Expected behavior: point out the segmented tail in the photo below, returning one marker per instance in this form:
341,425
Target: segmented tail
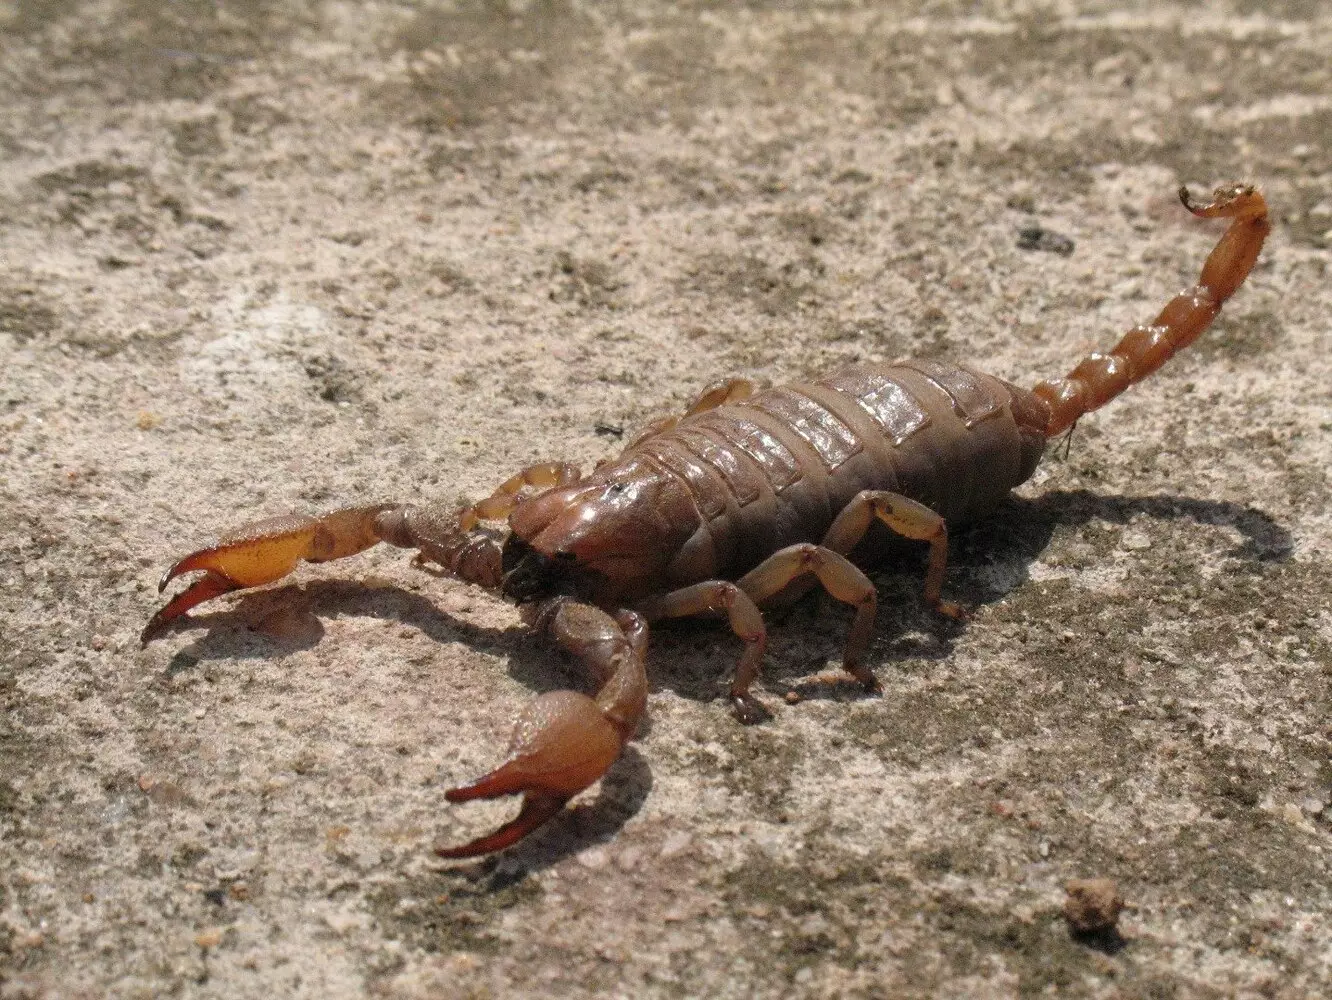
1099,378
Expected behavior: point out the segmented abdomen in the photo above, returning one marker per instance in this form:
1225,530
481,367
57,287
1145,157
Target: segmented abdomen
778,467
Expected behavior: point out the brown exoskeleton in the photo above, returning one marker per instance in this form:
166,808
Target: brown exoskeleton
722,509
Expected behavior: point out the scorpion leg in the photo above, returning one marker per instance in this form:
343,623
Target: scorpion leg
746,622
564,741
496,507
839,578
907,518
726,390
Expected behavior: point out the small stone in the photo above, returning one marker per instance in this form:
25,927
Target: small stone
793,697
1093,905
210,938
594,858
98,642
1047,240
628,859
29,940
1136,540
676,844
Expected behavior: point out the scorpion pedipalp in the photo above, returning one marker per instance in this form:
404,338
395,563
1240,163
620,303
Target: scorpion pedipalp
564,741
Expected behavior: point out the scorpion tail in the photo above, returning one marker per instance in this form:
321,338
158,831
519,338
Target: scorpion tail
1101,377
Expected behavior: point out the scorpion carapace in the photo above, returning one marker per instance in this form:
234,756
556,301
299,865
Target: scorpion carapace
722,509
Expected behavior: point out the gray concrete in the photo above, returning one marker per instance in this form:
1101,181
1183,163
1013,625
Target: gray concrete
258,257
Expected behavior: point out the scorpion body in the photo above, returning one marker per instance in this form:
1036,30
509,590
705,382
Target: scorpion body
776,468
723,509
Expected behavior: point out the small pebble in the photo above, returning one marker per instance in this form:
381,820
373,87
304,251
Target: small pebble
676,843
1136,540
628,859
210,938
1046,240
594,858
1093,904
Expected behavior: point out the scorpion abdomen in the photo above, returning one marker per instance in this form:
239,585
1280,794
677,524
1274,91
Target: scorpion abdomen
776,468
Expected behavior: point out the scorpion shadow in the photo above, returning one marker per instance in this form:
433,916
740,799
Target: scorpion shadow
988,560
694,661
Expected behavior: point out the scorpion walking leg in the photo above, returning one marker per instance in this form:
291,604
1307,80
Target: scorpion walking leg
497,506
746,622
726,390
910,520
564,741
840,578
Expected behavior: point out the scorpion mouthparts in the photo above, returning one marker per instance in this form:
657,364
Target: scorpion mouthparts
530,574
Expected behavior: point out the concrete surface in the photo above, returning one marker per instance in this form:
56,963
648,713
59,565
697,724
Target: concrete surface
259,256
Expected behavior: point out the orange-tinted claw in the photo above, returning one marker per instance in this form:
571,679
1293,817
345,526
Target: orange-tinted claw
263,551
561,745
254,554
201,590
537,809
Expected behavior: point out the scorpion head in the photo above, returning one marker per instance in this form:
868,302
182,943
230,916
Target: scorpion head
606,536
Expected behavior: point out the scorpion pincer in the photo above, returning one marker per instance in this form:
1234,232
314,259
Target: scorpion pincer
721,509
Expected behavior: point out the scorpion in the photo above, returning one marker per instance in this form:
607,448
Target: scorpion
747,495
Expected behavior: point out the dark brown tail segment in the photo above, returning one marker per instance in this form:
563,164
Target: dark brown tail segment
1145,348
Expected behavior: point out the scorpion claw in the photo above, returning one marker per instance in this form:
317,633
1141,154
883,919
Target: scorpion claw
537,809
561,745
205,588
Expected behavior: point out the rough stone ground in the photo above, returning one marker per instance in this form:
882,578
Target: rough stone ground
261,256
